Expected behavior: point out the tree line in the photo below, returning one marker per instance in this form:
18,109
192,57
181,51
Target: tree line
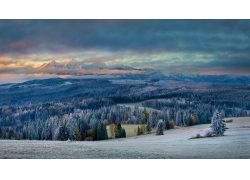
76,121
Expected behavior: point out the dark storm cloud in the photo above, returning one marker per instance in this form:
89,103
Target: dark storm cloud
113,35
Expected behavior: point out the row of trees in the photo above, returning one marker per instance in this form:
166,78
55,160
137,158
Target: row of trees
60,121
71,127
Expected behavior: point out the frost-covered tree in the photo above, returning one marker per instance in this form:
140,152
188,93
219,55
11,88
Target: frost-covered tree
159,127
61,135
218,126
149,126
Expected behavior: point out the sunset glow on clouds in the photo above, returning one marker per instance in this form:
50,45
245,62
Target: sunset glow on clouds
170,46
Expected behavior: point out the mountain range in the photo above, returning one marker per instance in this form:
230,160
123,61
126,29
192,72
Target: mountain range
74,67
81,68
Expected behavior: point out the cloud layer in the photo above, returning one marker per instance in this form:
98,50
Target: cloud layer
189,46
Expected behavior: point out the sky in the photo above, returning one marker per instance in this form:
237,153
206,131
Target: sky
170,46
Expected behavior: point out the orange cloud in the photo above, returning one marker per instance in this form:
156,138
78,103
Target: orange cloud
4,59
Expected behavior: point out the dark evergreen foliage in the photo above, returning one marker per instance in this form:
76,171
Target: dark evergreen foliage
102,133
138,131
159,127
121,133
62,136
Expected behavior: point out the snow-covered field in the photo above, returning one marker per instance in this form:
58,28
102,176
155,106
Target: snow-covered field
174,143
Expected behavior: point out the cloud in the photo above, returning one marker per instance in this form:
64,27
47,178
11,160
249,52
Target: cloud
119,35
4,60
162,44
18,70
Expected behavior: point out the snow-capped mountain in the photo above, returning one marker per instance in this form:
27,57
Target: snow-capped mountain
74,67
78,67
51,65
72,64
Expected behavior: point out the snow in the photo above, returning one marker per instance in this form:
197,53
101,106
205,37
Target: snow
50,65
67,83
173,144
72,64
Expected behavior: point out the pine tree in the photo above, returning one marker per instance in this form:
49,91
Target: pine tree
138,131
95,128
61,135
167,124
78,135
218,126
159,127
102,132
145,115
119,131
149,128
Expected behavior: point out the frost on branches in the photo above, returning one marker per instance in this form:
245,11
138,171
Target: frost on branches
159,127
218,126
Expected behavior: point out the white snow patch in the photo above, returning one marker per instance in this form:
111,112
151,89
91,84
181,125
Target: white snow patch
67,83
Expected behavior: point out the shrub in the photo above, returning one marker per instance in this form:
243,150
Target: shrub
124,133
90,133
143,129
172,124
197,135
208,132
193,120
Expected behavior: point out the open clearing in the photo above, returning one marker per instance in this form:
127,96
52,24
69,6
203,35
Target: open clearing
140,106
130,129
173,144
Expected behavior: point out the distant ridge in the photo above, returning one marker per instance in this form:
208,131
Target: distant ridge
75,67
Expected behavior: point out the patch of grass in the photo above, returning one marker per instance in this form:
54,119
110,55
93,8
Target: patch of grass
130,129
